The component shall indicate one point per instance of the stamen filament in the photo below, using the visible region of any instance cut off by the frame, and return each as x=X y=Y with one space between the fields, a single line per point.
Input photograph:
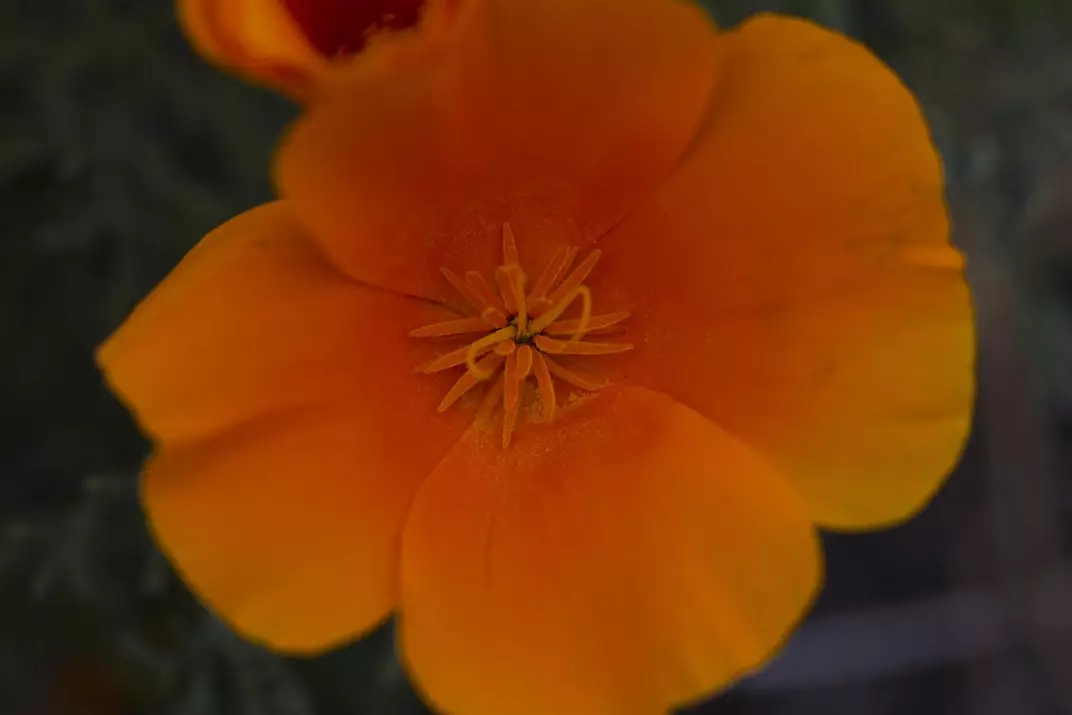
x=586 y=314
x=494 y=317
x=468 y=381
x=576 y=277
x=463 y=355
x=598 y=322
x=481 y=346
x=521 y=306
x=576 y=379
x=451 y=327
x=489 y=313
x=484 y=292
x=572 y=347
x=559 y=263
x=511 y=397
x=506 y=288
x=459 y=285
x=541 y=323
x=544 y=384
x=510 y=255
x=524 y=362
x=511 y=412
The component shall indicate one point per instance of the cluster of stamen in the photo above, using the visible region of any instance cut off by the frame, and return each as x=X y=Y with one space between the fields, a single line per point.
x=521 y=331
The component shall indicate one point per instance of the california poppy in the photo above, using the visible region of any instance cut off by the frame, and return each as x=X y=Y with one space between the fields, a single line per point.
x=561 y=347
x=293 y=45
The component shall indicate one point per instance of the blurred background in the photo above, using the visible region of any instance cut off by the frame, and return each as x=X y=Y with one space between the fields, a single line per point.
x=119 y=148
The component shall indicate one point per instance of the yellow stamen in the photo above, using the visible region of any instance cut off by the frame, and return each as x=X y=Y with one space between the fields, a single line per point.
x=494 y=317
x=462 y=355
x=490 y=302
x=576 y=379
x=576 y=277
x=459 y=285
x=517 y=287
x=544 y=384
x=511 y=398
x=554 y=346
x=451 y=327
x=520 y=341
x=483 y=345
x=596 y=324
x=524 y=362
x=541 y=323
x=510 y=416
x=559 y=262
x=489 y=364
x=505 y=279
x=489 y=313
x=510 y=255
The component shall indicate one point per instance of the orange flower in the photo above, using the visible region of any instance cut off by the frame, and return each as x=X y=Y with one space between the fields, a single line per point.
x=294 y=45
x=698 y=284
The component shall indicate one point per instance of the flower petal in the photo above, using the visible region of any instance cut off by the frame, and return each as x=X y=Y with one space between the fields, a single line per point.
x=289 y=528
x=794 y=282
x=256 y=38
x=291 y=430
x=254 y=322
x=554 y=115
x=626 y=558
x=343 y=27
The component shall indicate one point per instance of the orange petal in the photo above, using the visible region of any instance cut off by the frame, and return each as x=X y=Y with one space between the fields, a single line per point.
x=630 y=557
x=793 y=281
x=554 y=116
x=257 y=38
x=254 y=321
x=289 y=529
x=294 y=45
x=291 y=431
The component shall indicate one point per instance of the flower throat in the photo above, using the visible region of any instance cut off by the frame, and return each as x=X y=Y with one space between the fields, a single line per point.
x=521 y=332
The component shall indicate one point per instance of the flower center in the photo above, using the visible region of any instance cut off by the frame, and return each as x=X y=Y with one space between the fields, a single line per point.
x=521 y=331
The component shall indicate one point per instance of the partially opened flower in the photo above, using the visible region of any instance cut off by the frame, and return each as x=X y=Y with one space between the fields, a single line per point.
x=295 y=45
x=561 y=348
